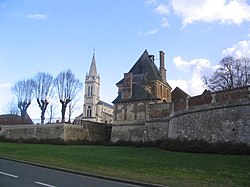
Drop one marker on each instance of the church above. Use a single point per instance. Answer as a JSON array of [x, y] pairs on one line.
[[95, 109]]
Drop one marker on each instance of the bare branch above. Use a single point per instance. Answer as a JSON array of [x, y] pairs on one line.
[[67, 88], [43, 89], [24, 91], [232, 73], [11, 107]]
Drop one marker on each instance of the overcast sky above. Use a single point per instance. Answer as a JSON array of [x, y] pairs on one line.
[[55, 35]]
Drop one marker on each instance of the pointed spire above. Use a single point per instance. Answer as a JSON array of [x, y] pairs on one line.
[[92, 70]]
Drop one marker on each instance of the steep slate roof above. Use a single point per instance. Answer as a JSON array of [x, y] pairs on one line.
[[144, 70], [145, 66], [139, 94]]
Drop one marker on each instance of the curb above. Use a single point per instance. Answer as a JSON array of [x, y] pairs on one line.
[[114, 179]]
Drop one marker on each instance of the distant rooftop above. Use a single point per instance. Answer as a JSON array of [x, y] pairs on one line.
[[12, 119]]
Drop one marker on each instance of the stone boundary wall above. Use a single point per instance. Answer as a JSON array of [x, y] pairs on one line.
[[39, 133], [56, 133], [224, 123], [234, 96], [214, 117], [127, 133]]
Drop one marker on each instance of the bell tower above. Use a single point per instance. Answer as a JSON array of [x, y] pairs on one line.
[[92, 91]]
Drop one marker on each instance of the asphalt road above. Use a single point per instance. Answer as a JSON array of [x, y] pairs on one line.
[[16, 174]]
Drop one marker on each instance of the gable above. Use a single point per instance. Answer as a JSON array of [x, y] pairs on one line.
[[144, 65], [178, 94], [141, 82]]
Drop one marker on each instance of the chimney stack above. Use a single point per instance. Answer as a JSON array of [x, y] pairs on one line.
[[162, 67], [127, 86]]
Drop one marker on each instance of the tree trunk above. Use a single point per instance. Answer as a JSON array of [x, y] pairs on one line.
[[23, 114], [42, 116], [23, 106], [63, 113], [43, 106], [64, 107]]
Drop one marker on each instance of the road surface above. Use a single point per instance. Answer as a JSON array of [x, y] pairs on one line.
[[16, 174]]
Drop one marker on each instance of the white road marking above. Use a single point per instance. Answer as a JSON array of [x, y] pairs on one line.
[[7, 174], [44, 184]]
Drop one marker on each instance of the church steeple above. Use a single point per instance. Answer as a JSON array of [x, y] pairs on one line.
[[92, 70], [92, 92], [94, 109]]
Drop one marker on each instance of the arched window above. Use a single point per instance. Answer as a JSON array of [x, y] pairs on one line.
[[89, 111]]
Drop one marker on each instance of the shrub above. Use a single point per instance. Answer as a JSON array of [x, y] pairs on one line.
[[192, 146], [201, 146]]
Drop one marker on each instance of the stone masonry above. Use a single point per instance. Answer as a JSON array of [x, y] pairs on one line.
[[214, 117], [87, 132]]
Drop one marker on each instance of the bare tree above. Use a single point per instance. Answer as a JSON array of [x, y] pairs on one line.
[[232, 73], [11, 107], [52, 111], [67, 88], [24, 92], [243, 74], [43, 89], [72, 107]]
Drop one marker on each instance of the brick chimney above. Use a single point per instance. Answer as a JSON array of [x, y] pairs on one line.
[[162, 66], [127, 86]]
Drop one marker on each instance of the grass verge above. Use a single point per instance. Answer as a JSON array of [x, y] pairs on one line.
[[141, 164]]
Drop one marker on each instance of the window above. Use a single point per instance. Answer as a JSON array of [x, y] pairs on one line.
[[88, 91], [89, 111]]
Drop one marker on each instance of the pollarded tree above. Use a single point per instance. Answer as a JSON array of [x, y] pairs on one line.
[[24, 90], [43, 89], [232, 73], [67, 88]]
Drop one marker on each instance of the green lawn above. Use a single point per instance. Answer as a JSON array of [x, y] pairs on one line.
[[141, 164]]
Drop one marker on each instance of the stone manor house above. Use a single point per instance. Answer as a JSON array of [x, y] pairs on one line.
[[144, 84]]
